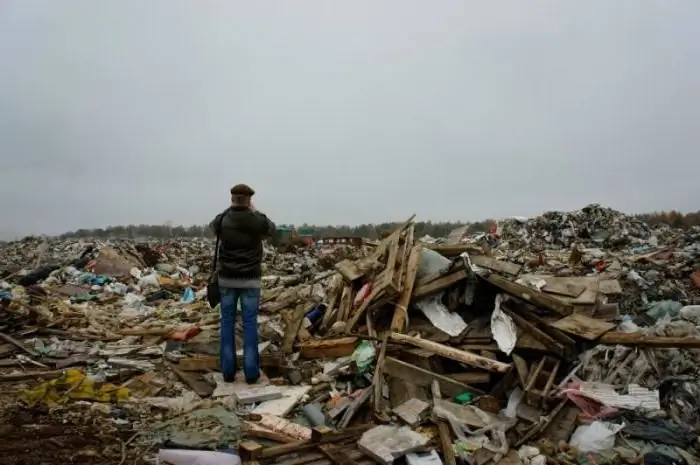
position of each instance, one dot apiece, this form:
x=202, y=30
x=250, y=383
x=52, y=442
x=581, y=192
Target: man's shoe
x=252, y=380
x=230, y=379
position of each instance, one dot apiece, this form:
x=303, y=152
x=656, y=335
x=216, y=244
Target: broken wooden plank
x=319, y=348
x=201, y=387
x=469, y=358
x=378, y=378
x=446, y=442
x=642, y=339
x=345, y=305
x=398, y=322
x=402, y=260
x=471, y=377
x=583, y=326
x=299, y=446
x=439, y=284
x=450, y=251
x=568, y=287
x=390, y=267
x=494, y=264
x=293, y=325
x=253, y=430
x=336, y=455
x=530, y=330
x=424, y=378
x=355, y=406
x=18, y=344
x=530, y=295
x=31, y=375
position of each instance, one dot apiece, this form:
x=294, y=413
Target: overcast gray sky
x=143, y=111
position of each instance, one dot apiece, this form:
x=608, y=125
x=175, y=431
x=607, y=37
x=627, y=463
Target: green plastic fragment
x=464, y=398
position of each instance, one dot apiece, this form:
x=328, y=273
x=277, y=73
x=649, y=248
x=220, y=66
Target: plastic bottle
x=314, y=415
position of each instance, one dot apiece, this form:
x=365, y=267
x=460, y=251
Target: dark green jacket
x=241, y=232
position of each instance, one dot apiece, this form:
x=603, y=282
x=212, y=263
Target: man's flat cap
x=242, y=189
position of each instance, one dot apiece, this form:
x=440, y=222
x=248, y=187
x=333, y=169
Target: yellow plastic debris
x=73, y=384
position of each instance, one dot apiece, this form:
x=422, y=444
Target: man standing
x=241, y=229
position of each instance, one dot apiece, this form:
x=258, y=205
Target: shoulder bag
x=213, y=291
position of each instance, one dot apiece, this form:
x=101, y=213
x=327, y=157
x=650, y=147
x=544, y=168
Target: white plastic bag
x=599, y=436
x=502, y=327
x=197, y=457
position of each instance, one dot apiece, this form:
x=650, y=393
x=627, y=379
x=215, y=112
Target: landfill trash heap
x=567, y=338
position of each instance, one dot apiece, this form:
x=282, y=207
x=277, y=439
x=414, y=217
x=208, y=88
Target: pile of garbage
x=651, y=263
x=546, y=341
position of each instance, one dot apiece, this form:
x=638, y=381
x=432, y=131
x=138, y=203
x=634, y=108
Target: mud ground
x=39, y=436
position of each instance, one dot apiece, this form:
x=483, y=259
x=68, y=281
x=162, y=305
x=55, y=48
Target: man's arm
x=215, y=224
x=268, y=227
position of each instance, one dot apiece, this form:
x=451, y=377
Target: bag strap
x=216, y=247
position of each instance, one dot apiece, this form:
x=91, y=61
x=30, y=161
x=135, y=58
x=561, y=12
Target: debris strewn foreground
x=567, y=338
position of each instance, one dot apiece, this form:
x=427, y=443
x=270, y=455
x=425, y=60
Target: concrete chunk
x=413, y=411
x=252, y=394
x=387, y=443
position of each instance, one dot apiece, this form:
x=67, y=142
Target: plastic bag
x=363, y=356
x=514, y=399
x=599, y=436
x=197, y=457
x=503, y=328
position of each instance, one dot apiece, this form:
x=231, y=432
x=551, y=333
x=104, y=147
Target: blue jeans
x=250, y=300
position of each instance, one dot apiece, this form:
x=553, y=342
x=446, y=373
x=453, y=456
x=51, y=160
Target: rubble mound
x=540, y=343
x=593, y=225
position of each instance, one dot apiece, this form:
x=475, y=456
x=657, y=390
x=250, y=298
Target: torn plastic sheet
x=504, y=331
x=444, y=320
x=598, y=436
x=431, y=262
x=598, y=400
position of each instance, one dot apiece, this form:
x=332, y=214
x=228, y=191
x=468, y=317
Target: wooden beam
x=284, y=449
x=319, y=348
x=439, y=284
x=336, y=455
x=453, y=250
x=293, y=325
x=530, y=295
x=424, y=378
x=398, y=322
x=494, y=264
x=641, y=339
x=469, y=358
x=378, y=378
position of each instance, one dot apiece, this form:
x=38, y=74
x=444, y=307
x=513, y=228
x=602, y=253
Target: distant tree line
x=373, y=231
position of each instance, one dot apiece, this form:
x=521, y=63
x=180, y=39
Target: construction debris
x=567, y=338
